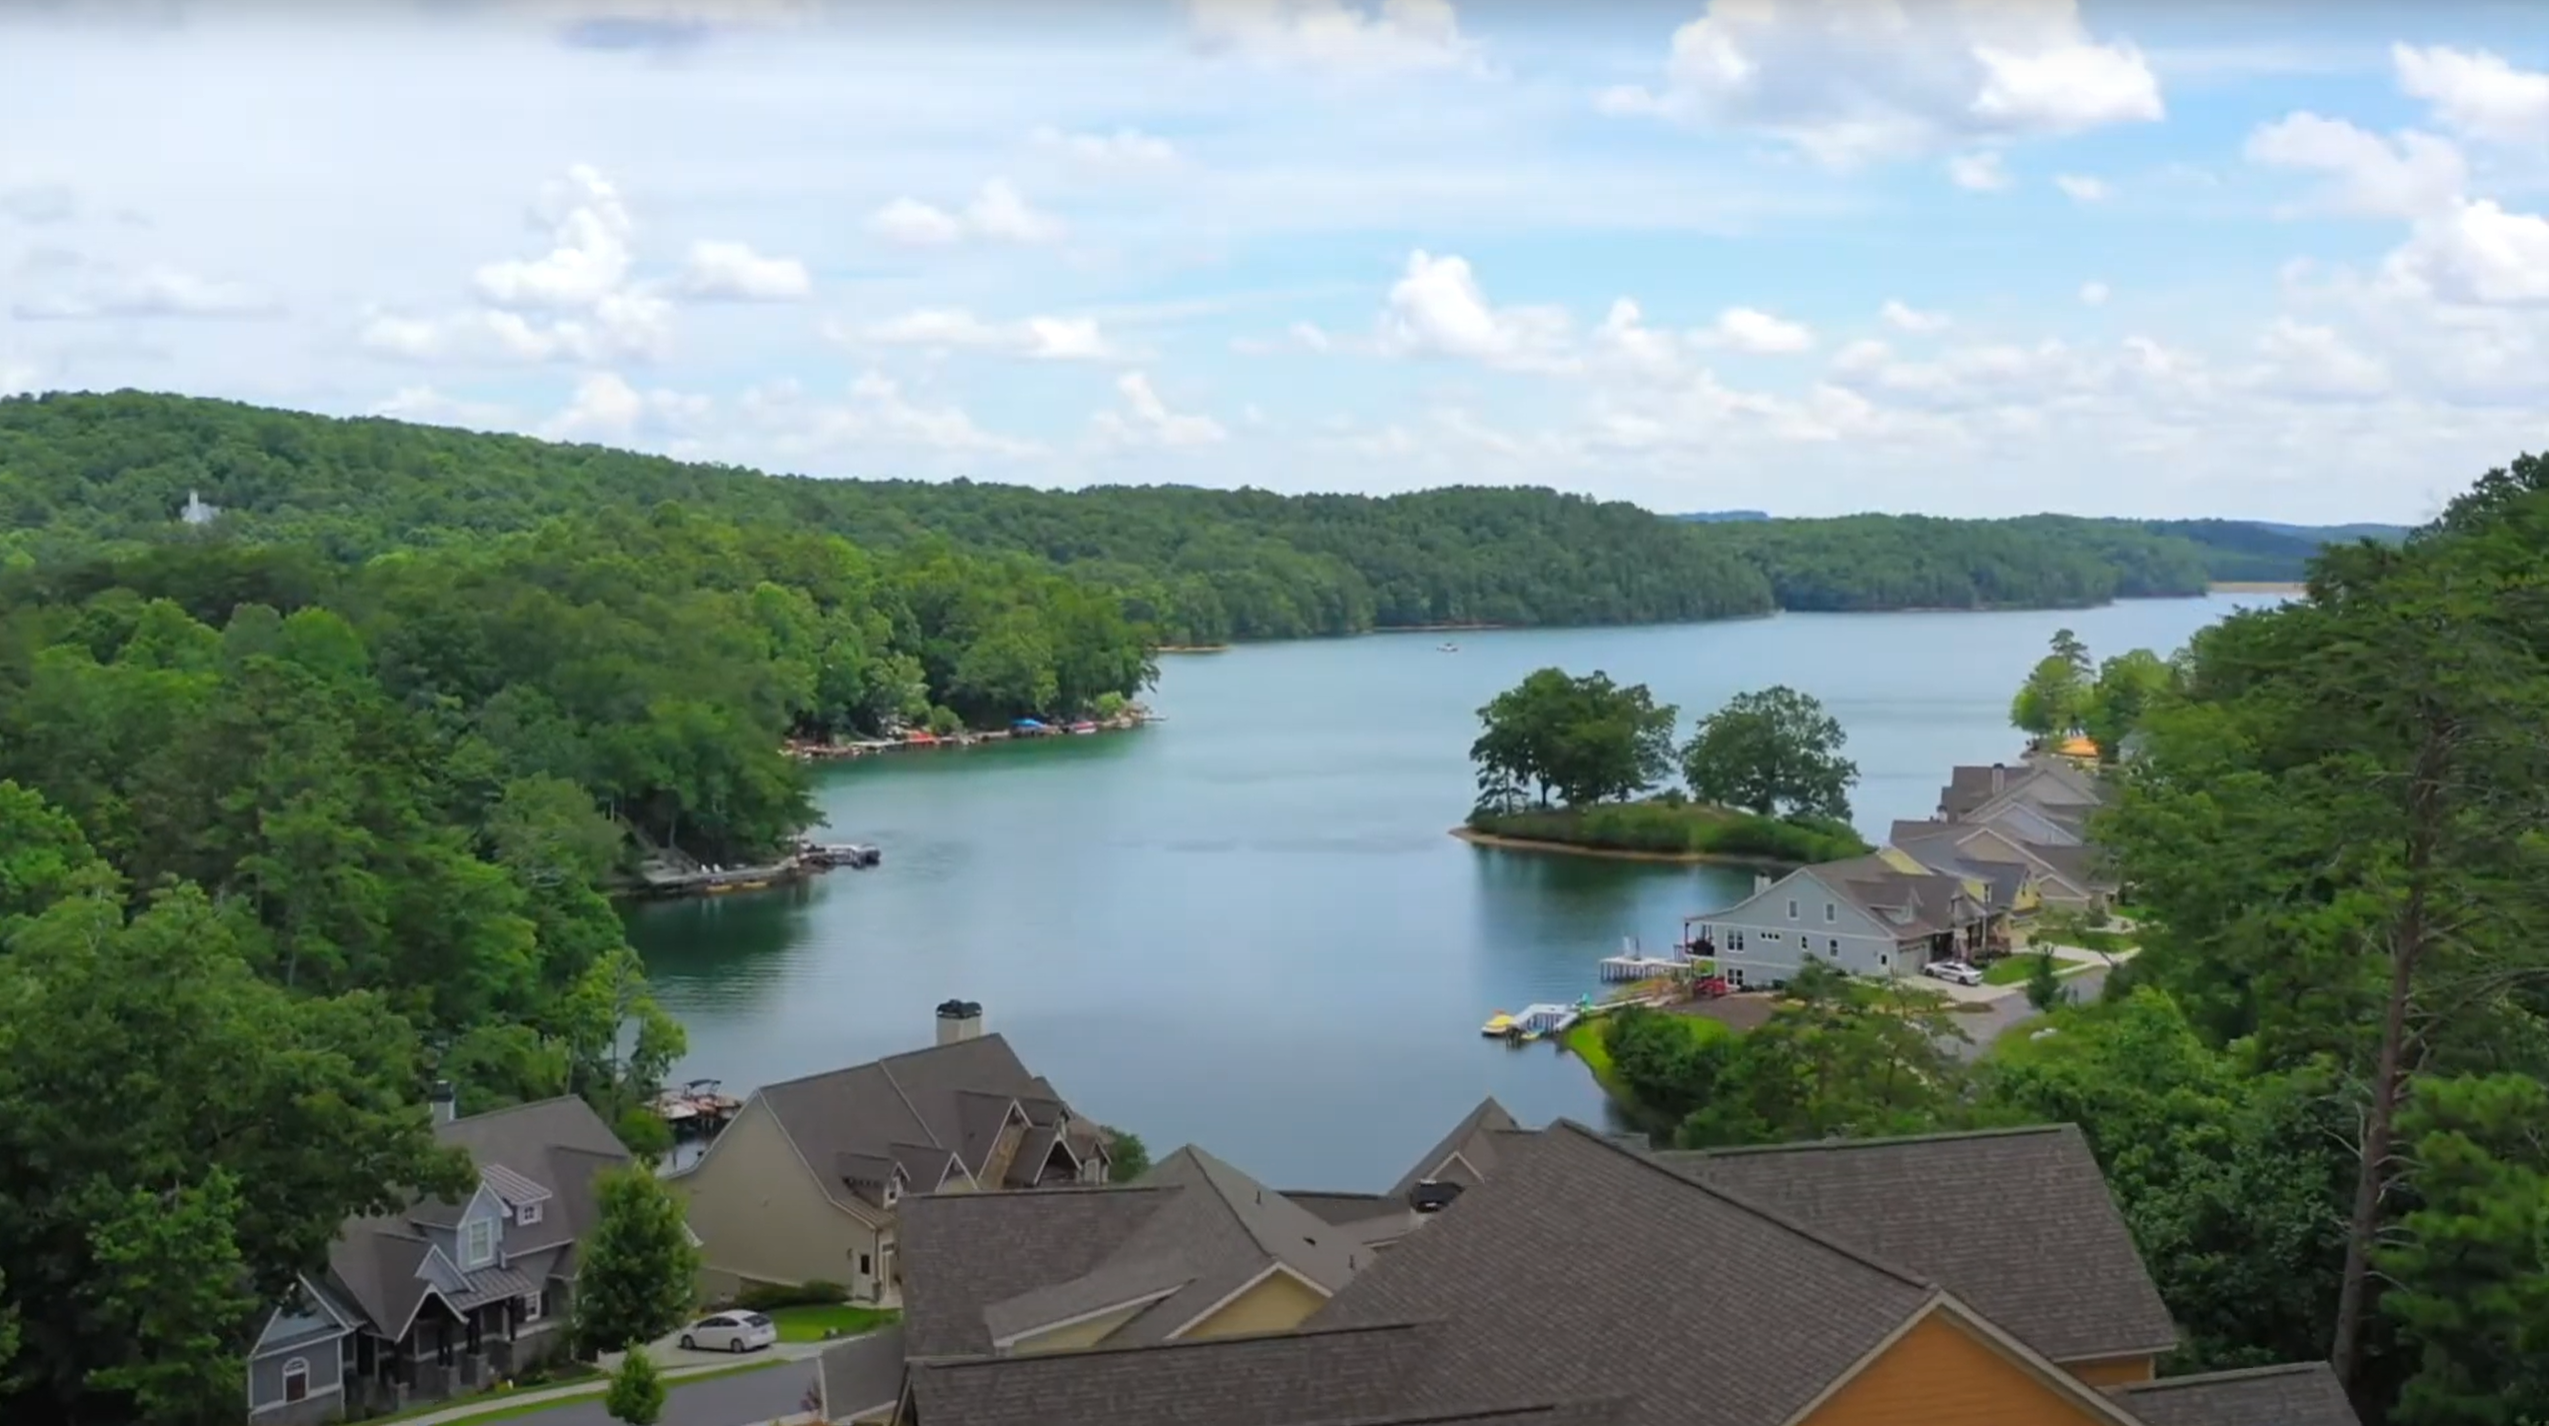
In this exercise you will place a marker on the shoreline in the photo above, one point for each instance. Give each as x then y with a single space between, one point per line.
1192 649
2259 586
1476 838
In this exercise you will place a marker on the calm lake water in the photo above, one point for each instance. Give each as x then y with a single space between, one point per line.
1247 928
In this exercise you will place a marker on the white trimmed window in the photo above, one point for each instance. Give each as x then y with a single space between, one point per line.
296 1380
478 1242
527 1213
1831 912
531 1306
1792 911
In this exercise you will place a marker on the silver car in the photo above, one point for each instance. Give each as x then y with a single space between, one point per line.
1957 972
729 1332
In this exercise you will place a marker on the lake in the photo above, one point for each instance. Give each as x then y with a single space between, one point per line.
1247 928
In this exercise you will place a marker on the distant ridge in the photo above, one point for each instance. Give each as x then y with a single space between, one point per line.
1721 517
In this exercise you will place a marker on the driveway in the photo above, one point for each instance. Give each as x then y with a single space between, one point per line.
1988 1025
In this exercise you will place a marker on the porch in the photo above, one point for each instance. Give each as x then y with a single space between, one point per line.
452 1349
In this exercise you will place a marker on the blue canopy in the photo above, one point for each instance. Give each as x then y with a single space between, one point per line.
1026 723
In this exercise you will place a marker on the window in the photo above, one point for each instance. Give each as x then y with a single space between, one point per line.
864 1268
1792 910
1831 912
1836 948
296 1380
527 1213
532 1304
478 1242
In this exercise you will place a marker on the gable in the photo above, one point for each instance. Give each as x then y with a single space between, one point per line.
1847 911
1942 1372
1277 1302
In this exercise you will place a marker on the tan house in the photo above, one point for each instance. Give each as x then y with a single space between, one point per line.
807 1184
1584 1283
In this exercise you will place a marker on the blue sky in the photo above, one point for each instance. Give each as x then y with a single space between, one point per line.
1812 256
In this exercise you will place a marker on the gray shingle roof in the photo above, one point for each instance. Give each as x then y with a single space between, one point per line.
2018 1224
2302 1394
979 1268
512 1187
1932 904
952 1097
1271 1380
1734 1315
862 1373
1472 1138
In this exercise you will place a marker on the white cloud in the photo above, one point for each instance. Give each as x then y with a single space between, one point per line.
1144 419
2080 188
1980 172
2095 294
1331 34
957 328
1436 307
733 271
2310 362
997 211
606 407
2476 94
1849 80
18 378
154 291
1907 319
427 406
2401 177
1122 151
2477 252
591 230
1748 330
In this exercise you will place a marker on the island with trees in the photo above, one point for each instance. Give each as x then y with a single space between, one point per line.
1567 763
2319 1090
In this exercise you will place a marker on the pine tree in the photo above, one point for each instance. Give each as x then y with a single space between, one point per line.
640 1274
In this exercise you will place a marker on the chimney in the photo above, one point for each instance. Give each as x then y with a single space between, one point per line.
446 1102
1760 882
1999 778
959 1020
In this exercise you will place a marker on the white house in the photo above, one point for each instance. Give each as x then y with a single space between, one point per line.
1866 916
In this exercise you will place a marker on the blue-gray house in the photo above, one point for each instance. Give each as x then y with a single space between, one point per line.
446 1296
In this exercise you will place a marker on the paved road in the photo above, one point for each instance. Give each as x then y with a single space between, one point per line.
1987 1026
740 1400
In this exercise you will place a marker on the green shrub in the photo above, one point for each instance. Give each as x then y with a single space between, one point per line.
771 1296
1678 828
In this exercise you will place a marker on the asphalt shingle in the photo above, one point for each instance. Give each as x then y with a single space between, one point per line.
2302 1394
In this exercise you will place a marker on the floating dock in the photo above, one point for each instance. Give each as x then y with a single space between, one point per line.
1634 964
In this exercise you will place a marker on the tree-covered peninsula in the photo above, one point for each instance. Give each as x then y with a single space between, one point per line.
1196 567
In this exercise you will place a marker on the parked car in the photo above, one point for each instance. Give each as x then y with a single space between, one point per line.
1958 972
729 1332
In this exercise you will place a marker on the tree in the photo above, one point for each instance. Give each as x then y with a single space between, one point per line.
640 1276
1775 752
2044 984
637 1390
1128 1158
2128 686
1585 740
2054 697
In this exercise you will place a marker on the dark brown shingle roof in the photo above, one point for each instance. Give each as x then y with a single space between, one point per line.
2302 1394
1473 1139
862 1373
2019 1224
962 1252
1735 1315
950 1097
1272 1380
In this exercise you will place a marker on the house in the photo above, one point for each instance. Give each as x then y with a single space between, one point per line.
1586 1284
2004 888
806 1183
859 1379
446 1295
2042 782
1194 1248
2073 875
1866 915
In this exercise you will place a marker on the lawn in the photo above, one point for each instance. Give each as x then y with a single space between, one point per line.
2014 970
839 1319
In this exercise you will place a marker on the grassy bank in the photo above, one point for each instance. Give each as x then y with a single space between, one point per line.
1678 830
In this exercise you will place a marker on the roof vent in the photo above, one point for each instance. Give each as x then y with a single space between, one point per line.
1432 1196
959 1020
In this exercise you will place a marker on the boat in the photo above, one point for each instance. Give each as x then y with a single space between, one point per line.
1447 648
1499 1026
1084 727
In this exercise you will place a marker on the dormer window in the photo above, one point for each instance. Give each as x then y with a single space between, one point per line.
893 1191
527 1214
477 1243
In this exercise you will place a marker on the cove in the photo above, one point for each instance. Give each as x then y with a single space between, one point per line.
1247 927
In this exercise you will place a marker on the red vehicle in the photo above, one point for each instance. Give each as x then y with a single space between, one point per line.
1708 988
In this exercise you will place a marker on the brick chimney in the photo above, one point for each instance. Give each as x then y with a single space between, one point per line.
959 1020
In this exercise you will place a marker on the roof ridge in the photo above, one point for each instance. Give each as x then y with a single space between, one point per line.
2006 1131
524 1107
1768 1215
1453 1415
1212 1168
2227 1374
1059 1190
971 1359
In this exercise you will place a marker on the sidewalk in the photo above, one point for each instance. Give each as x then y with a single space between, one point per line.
678 1366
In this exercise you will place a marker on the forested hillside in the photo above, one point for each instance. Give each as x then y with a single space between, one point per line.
1199 566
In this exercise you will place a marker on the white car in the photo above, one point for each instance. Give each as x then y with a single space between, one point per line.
729 1332
1956 971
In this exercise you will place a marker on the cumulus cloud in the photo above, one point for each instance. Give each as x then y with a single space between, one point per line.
1142 418
590 230
2401 177
998 211
1334 35
2476 94
1847 81
734 272
428 406
1124 151
2095 294
1747 330
1907 319
1436 307
606 407
958 329
1978 172
2315 363
37 204
877 414
92 294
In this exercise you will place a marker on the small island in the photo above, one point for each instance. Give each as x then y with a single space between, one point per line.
1580 765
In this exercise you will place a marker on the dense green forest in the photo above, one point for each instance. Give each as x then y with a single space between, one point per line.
2319 1090
78 472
